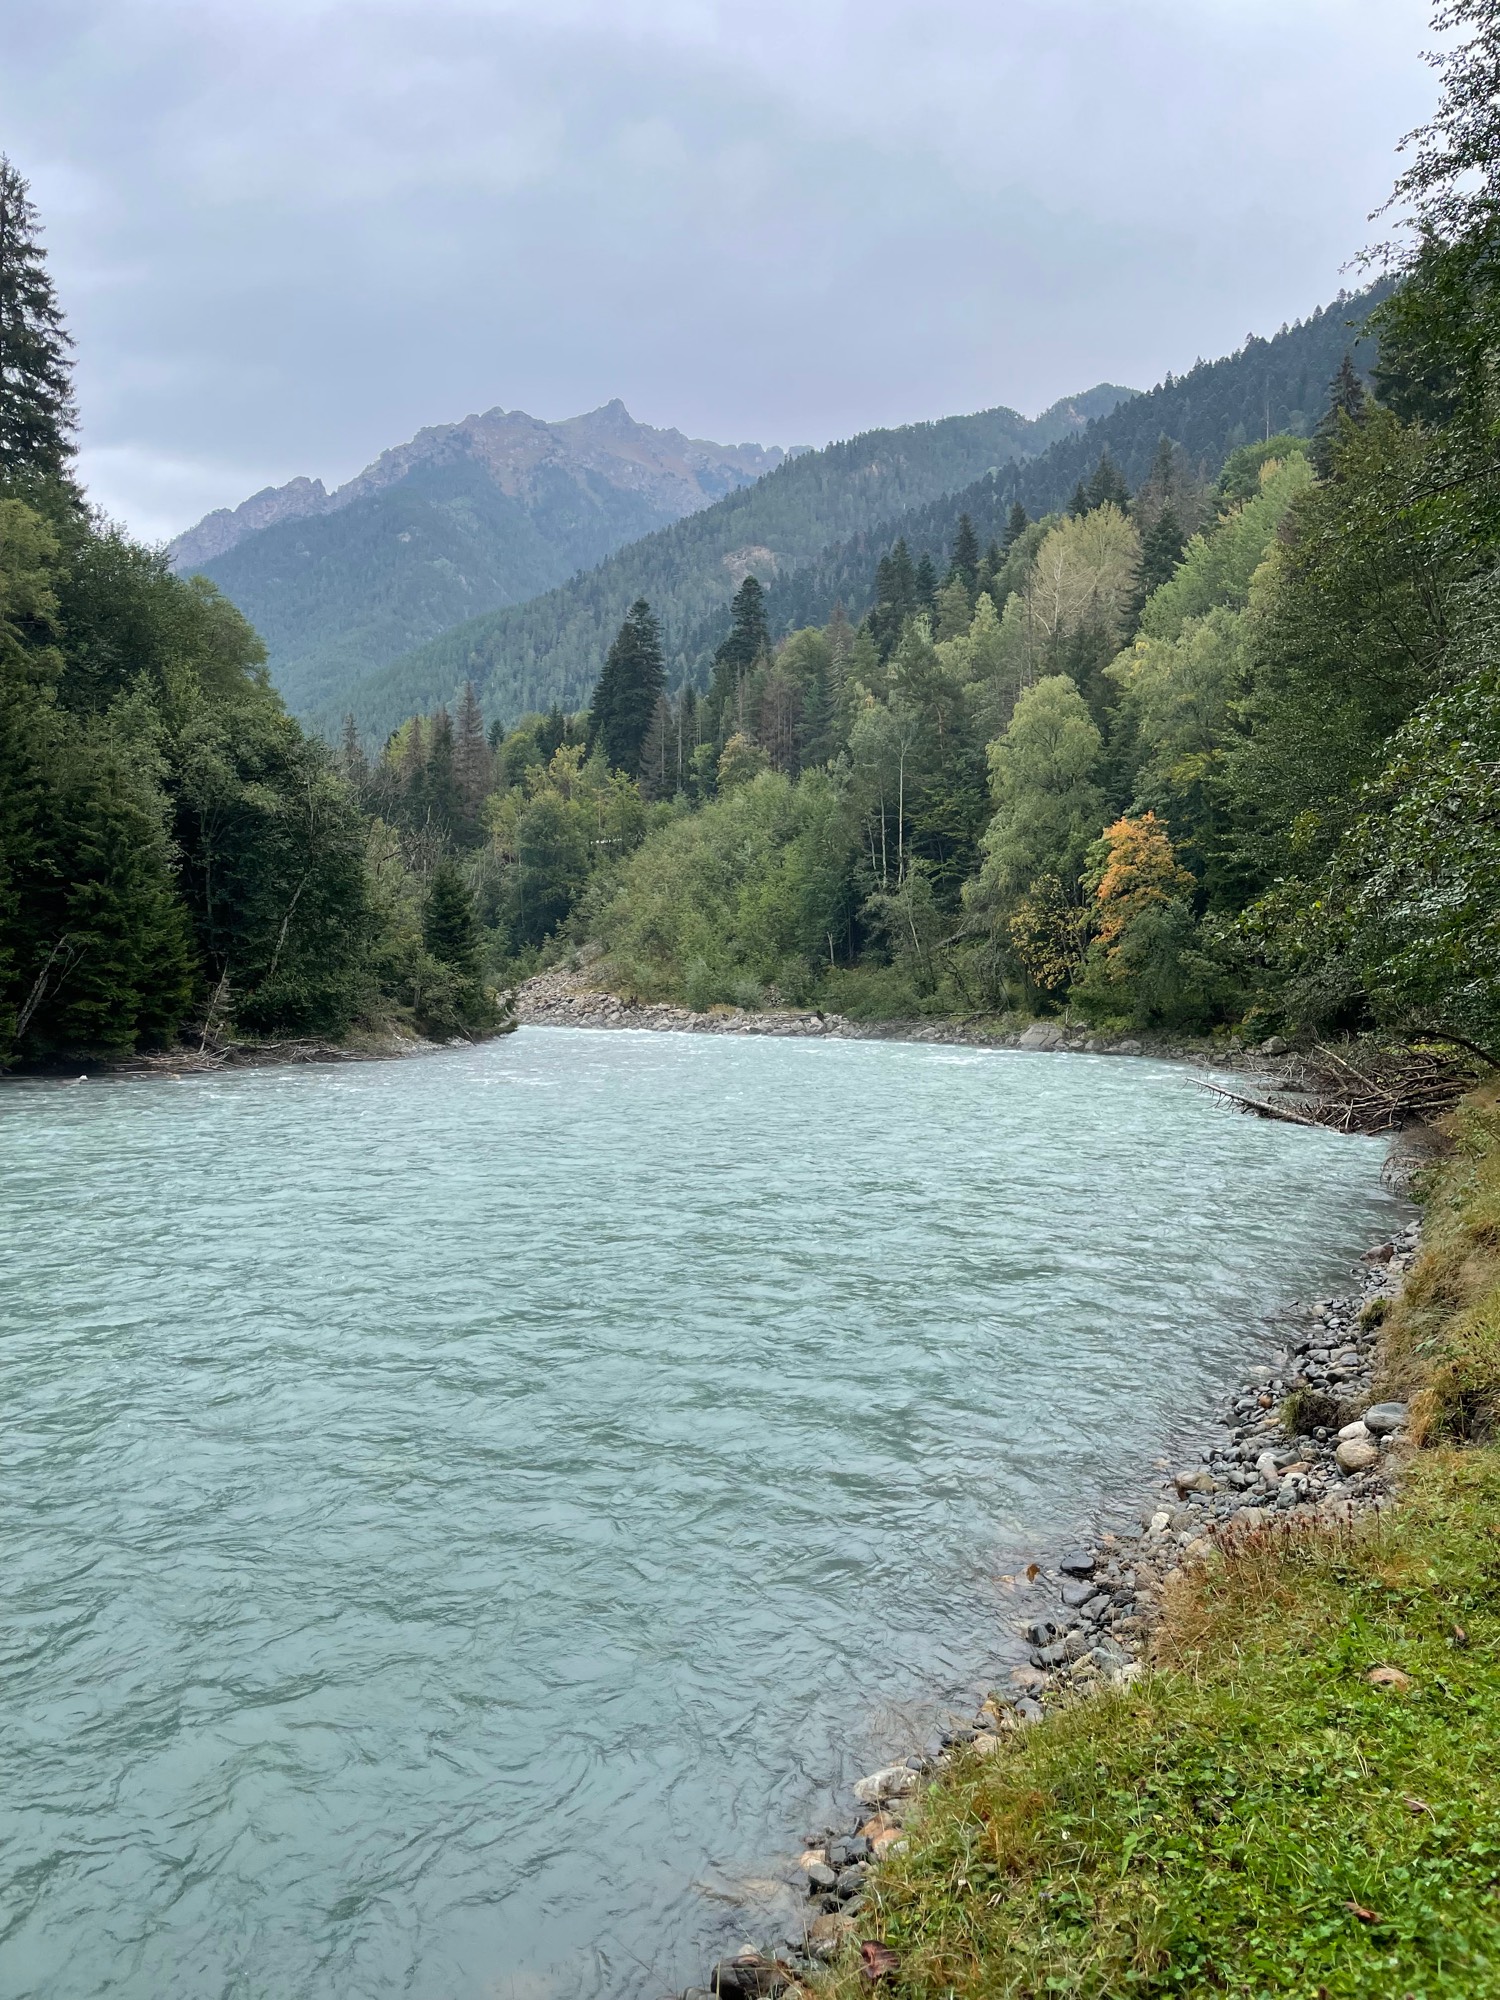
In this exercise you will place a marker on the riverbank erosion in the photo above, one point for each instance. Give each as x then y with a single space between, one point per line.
1252 1751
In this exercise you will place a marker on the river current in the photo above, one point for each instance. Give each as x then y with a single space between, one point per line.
461 1519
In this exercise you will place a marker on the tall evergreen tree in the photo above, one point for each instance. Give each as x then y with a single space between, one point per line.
964 560
1162 548
895 598
353 762
473 765
37 416
411 770
1079 504
450 929
445 808
552 733
1107 488
1157 489
658 770
1347 402
925 585
749 634
840 635
625 699
1016 524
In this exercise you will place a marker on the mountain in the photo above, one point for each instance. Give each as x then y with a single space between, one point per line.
550 648
462 518
1265 388
221 530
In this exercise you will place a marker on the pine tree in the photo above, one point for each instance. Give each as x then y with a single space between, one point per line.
37 417
1079 504
626 696
1347 402
450 929
964 561
1016 524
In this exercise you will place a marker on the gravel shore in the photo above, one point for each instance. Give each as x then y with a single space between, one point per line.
563 999
1100 1603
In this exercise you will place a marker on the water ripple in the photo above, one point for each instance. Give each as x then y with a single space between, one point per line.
462 1517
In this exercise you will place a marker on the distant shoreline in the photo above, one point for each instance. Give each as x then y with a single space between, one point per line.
560 999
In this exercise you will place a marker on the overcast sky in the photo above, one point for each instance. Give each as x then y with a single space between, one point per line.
288 233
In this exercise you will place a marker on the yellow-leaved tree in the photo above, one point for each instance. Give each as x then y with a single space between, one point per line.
1148 964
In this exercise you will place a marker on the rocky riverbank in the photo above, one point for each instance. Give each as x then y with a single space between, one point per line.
1303 1444
564 998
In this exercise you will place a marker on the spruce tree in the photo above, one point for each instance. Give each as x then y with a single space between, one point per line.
626 696
964 560
1016 524
353 762
749 634
450 929
411 772
1107 487
472 761
895 597
1162 548
552 733
37 416
925 585
1157 488
1079 504
1346 403
445 806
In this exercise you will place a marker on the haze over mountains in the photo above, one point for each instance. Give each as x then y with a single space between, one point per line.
815 529
458 520
501 509
507 551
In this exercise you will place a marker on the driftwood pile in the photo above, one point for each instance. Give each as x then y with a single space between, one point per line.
1362 1087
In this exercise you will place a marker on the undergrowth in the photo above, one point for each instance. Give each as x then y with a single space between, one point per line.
1302 1798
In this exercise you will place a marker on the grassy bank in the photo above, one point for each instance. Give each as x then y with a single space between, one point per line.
1303 1796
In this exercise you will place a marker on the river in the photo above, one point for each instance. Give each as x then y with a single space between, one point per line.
462 1517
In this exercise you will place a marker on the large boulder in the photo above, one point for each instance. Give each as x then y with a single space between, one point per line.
1356 1455
896 1781
1042 1035
1383 1418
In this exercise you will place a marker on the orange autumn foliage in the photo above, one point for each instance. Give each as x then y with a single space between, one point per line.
1140 868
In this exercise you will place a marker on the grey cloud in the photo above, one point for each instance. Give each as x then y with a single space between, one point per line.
290 234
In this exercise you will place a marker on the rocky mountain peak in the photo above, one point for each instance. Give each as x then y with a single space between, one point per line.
523 455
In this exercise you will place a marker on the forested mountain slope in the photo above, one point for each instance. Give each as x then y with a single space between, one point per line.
461 518
551 648
1268 388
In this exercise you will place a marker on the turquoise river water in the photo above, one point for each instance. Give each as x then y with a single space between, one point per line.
462 1519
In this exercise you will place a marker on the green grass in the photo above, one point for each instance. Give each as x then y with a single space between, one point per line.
1255 1816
